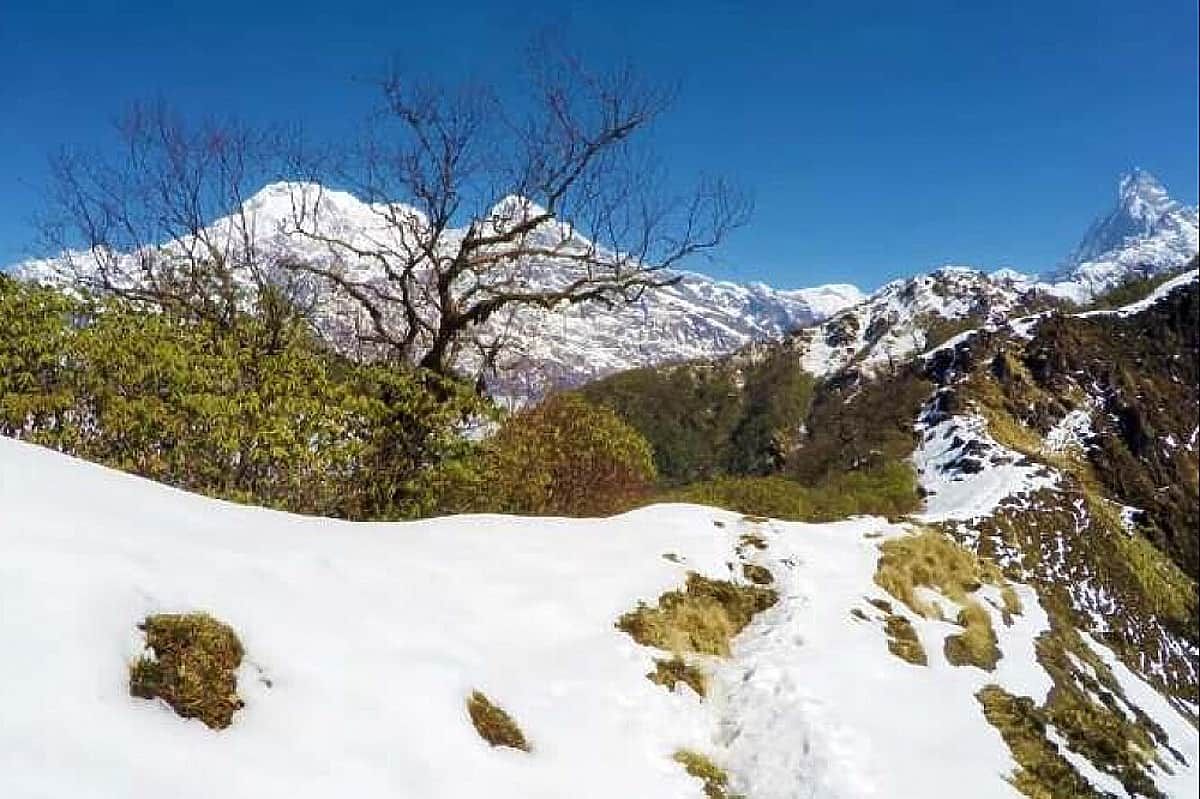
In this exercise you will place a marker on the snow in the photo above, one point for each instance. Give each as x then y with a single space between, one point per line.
819 695
1179 780
827 300
953 493
1071 433
372 635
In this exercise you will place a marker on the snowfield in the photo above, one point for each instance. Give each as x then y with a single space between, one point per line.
363 641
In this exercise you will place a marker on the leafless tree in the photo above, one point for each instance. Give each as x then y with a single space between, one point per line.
485 208
138 223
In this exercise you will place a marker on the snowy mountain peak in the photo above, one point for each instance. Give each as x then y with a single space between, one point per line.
1146 230
1143 197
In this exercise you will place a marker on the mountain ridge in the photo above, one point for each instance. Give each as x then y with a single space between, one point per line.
1145 234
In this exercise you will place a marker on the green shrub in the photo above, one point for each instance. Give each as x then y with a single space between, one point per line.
889 490
253 411
768 497
564 457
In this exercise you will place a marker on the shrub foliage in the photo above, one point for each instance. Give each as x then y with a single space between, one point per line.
254 411
564 457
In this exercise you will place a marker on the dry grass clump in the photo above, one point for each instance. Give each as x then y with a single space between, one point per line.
715 778
1012 602
493 724
669 673
747 540
759 575
933 560
703 617
1042 771
976 645
192 667
903 641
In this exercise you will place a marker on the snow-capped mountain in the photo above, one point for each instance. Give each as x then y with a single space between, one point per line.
1146 230
1146 234
697 317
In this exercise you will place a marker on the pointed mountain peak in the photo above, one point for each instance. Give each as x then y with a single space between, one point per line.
1143 208
1143 197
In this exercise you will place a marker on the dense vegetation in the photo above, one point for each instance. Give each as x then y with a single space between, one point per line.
708 419
884 491
564 457
254 411
1136 288
756 434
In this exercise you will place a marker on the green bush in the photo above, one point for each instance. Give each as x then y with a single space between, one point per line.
889 490
564 457
255 411
772 497
706 419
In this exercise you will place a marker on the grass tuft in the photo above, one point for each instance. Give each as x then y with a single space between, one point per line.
977 644
493 724
1042 771
932 560
669 673
715 778
759 575
192 668
903 641
702 617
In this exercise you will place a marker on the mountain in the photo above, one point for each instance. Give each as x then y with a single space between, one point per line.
695 318
1146 231
1146 234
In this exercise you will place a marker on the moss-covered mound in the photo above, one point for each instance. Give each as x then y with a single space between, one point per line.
903 641
493 724
192 667
669 673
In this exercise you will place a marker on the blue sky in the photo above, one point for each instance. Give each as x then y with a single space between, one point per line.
879 139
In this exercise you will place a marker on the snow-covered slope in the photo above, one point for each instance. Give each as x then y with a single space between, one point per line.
363 641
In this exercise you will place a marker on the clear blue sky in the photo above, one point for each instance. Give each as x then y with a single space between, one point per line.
879 139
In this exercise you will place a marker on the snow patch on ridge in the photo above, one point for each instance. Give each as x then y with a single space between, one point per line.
966 474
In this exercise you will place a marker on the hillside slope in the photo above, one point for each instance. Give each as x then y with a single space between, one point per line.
364 640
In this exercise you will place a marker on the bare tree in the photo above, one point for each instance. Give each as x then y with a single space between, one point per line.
140 223
483 210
